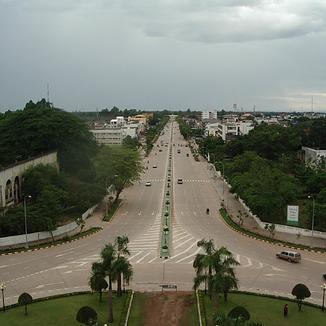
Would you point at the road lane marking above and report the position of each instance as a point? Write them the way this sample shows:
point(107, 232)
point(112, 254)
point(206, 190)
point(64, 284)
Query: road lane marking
point(195, 253)
point(195, 243)
point(152, 260)
point(139, 260)
point(179, 239)
point(277, 269)
point(135, 255)
point(184, 242)
point(315, 261)
point(48, 284)
point(249, 262)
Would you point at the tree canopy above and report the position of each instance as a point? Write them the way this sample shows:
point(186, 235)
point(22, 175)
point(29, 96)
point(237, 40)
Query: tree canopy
point(119, 166)
point(40, 128)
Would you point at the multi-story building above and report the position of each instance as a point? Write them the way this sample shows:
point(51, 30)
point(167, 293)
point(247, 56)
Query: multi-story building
point(228, 130)
point(208, 115)
point(114, 132)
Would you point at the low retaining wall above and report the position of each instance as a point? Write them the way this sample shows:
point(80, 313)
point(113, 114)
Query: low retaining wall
point(61, 232)
point(278, 227)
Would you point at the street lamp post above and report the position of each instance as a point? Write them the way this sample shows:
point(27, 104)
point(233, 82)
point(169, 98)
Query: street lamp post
point(2, 288)
point(221, 177)
point(313, 215)
point(25, 216)
point(323, 287)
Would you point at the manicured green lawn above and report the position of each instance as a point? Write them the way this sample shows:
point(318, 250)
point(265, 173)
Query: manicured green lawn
point(62, 311)
point(137, 312)
point(268, 311)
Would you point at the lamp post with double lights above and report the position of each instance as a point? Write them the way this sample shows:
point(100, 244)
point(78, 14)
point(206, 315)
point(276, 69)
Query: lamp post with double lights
point(2, 288)
point(25, 216)
point(313, 214)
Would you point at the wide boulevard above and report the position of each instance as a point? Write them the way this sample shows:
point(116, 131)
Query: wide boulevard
point(65, 268)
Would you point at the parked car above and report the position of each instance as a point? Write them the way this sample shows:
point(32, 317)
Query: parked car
point(180, 181)
point(187, 154)
point(324, 276)
point(291, 256)
point(148, 184)
point(154, 166)
point(179, 151)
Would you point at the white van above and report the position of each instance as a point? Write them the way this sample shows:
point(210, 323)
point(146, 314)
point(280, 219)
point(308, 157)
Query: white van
point(291, 256)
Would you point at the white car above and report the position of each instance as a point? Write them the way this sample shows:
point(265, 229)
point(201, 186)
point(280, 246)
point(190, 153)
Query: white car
point(154, 166)
point(148, 184)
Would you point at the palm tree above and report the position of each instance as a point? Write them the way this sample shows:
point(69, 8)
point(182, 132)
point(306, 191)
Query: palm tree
point(122, 267)
point(215, 267)
point(109, 256)
point(224, 279)
point(97, 280)
point(121, 244)
point(204, 263)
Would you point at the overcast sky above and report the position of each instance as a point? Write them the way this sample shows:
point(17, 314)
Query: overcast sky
point(198, 54)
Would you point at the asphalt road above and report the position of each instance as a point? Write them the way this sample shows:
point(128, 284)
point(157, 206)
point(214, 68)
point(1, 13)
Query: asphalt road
point(66, 268)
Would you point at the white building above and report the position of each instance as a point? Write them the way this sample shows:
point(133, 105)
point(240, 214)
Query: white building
point(313, 156)
point(207, 115)
point(229, 130)
point(116, 131)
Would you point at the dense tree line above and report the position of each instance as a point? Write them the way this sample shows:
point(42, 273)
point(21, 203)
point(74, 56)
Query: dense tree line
point(40, 128)
point(85, 168)
point(265, 169)
point(156, 125)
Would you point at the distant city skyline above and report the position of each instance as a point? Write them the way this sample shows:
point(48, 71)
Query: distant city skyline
point(161, 54)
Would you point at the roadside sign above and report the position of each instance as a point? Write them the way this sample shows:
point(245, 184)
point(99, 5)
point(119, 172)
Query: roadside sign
point(293, 214)
point(169, 286)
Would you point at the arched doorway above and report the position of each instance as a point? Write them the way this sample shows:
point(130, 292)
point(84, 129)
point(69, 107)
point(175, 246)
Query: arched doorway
point(8, 191)
point(17, 190)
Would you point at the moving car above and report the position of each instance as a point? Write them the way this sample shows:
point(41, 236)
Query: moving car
point(187, 154)
point(180, 181)
point(291, 256)
point(154, 166)
point(148, 184)
point(178, 151)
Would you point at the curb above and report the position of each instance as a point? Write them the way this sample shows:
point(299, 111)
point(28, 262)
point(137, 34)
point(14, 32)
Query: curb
point(198, 309)
point(279, 243)
point(129, 308)
point(19, 251)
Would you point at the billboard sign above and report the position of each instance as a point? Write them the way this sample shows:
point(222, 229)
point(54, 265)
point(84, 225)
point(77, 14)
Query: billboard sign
point(293, 214)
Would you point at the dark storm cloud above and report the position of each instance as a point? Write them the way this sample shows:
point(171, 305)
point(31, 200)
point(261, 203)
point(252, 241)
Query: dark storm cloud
point(163, 53)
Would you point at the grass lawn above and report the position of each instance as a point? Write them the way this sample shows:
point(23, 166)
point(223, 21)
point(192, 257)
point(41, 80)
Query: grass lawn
point(137, 312)
point(267, 310)
point(113, 208)
point(62, 311)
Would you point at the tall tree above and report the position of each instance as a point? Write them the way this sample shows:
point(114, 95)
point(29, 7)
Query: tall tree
point(97, 280)
point(40, 128)
point(119, 166)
